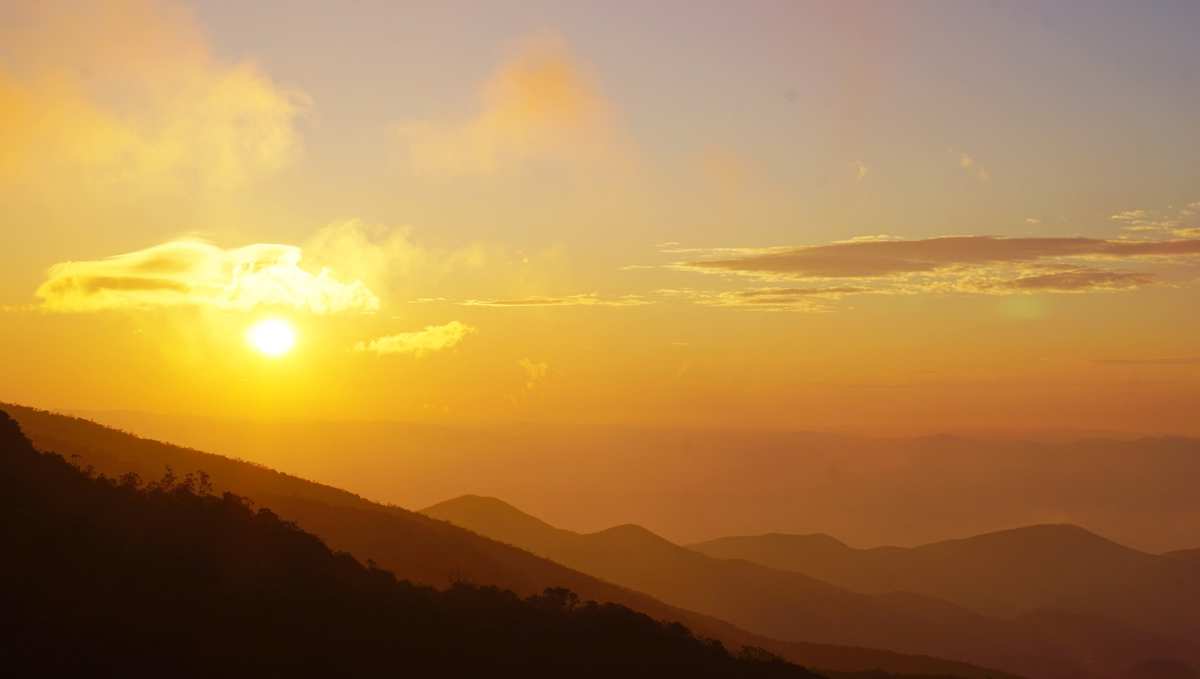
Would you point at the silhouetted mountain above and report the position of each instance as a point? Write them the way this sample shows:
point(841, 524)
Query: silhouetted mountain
point(1189, 555)
point(787, 604)
point(1003, 573)
point(113, 577)
point(422, 549)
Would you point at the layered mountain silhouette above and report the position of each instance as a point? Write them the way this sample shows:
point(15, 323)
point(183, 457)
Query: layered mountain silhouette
point(1007, 573)
point(696, 484)
point(425, 550)
point(785, 603)
point(113, 577)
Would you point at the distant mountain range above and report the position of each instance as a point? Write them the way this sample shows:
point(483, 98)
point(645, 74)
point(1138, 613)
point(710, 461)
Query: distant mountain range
point(425, 550)
point(786, 603)
point(1005, 573)
point(694, 484)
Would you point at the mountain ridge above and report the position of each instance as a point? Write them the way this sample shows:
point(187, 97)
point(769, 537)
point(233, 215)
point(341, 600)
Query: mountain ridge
point(1008, 572)
point(782, 603)
point(424, 549)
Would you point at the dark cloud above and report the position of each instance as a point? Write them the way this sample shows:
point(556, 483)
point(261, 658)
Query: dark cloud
point(873, 259)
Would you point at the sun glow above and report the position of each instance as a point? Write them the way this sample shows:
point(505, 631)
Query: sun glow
point(271, 336)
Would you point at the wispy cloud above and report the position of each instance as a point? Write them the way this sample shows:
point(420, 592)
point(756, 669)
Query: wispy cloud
point(815, 299)
point(953, 264)
point(972, 167)
point(130, 95)
point(538, 105)
point(589, 299)
point(861, 170)
point(197, 273)
point(1181, 222)
point(535, 371)
point(1082, 280)
point(880, 258)
point(419, 343)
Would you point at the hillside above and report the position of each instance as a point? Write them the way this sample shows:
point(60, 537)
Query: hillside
point(1001, 573)
point(422, 549)
point(168, 564)
point(786, 604)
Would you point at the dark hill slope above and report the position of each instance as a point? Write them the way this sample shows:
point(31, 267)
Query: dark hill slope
point(421, 549)
point(106, 577)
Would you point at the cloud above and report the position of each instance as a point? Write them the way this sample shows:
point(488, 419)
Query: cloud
point(347, 265)
point(1181, 222)
point(873, 259)
point(534, 372)
point(197, 273)
point(973, 168)
point(953, 264)
point(1082, 280)
point(538, 105)
point(126, 94)
point(589, 299)
point(420, 343)
point(815, 299)
point(860, 170)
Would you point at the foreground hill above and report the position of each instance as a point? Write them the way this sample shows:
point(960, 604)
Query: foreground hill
point(1008, 572)
point(422, 549)
point(786, 604)
point(111, 577)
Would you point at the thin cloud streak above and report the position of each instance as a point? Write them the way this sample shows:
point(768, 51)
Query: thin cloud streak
point(420, 343)
point(569, 300)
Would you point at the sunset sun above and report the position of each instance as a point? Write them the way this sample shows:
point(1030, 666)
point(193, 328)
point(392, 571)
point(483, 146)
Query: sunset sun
point(271, 337)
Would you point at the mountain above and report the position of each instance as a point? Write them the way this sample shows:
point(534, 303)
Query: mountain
point(1189, 555)
point(1006, 573)
point(422, 549)
point(787, 604)
point(114, 577)
point(696, 484)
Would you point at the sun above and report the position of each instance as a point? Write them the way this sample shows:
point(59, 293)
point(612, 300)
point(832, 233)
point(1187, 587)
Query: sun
point(271, 337)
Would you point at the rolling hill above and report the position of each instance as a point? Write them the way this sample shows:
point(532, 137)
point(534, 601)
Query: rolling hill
point(422, 549)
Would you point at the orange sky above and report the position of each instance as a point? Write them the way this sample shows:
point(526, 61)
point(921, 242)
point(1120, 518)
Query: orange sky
point(884, 218)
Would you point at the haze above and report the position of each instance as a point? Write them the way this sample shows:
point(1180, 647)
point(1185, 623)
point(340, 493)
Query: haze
point(860, 334)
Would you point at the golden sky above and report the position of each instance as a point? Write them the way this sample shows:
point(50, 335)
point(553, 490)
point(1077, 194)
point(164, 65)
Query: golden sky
point(881, 217)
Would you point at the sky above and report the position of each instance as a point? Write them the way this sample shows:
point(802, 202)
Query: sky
point(879, 217)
